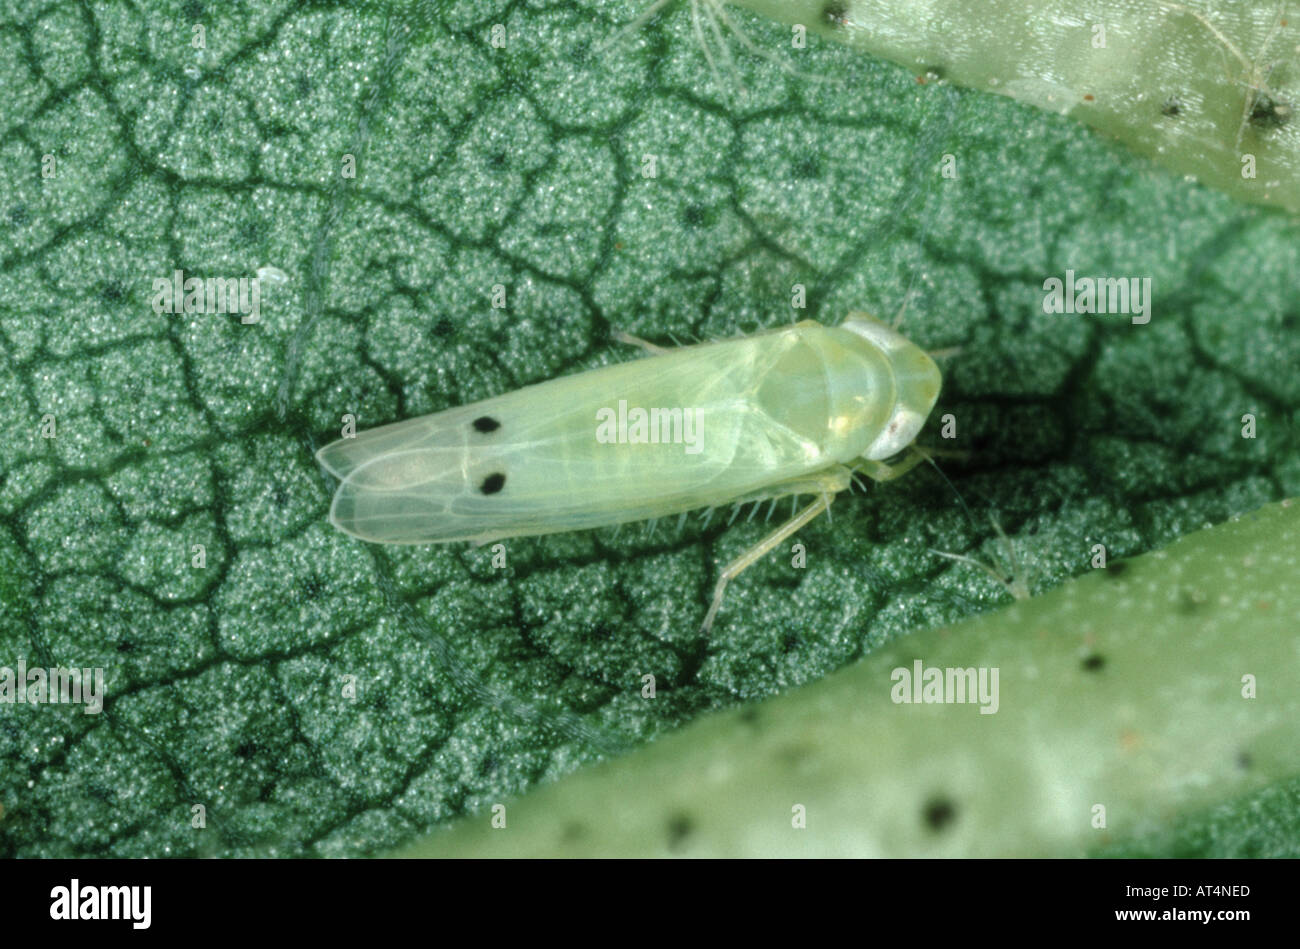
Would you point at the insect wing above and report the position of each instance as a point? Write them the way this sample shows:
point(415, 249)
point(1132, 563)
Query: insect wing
point(531, 461)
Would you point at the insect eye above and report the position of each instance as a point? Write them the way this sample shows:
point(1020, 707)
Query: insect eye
point(493, 483)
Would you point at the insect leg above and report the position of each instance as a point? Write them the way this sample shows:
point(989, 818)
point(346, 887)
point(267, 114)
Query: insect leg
point(651, 348)
point(883, 471)
point(831, 484)
point(1013, 575)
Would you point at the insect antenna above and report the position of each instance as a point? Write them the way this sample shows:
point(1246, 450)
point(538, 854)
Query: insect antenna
point(709, 18)
point(646, 16)
point(757, 50)
point(698, 30)
point(929, 457)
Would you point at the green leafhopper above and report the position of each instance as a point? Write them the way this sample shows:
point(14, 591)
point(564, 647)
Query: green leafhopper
point(790, 411)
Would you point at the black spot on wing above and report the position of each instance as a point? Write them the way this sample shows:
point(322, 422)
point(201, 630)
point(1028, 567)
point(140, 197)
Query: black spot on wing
point(493, 483)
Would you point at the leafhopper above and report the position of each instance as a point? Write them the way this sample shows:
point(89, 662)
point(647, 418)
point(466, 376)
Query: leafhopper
point(791, 411)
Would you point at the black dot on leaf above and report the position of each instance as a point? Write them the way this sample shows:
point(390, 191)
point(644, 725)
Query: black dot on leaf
point(694, 215)
point(312, 586)
point(1267, 112)
point(680, 828)
point(246, 750)
point(1172, 107)
point(807, 168)
point(443, 328)
point(1116, 568)
point(938, 813)
point(485, 424)
point(835, 13)
point(493, 483)
point(1093, 662)
point(1190, 601)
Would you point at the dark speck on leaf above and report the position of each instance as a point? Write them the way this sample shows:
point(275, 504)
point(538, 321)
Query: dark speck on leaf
point(246, 750)
point(280, 496)
point(693, 215)
point(1190, 601)
point(807, 168)
point(1171, 108)
point(1268, 113)
point(312, 587)
point(1244, 760)
point(493, 483)
point(485, 424)
point(679, 829)
point(1116, 568)
point(125, 645)
point(1093, 662)
point(938, 813)
point(836, 13)
point(443, 328)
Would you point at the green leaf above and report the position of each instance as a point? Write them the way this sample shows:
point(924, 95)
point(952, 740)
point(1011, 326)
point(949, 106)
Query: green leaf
point(1101, 710)
point(304, 693)
point(1206, 88)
